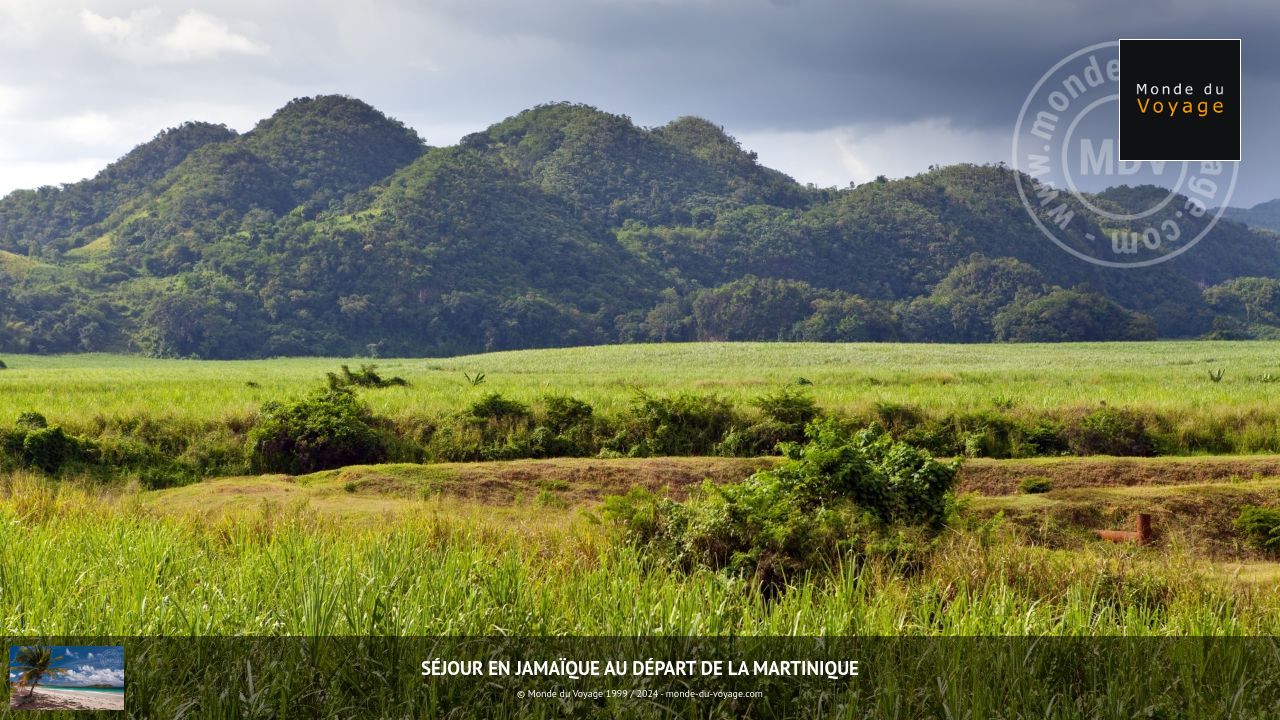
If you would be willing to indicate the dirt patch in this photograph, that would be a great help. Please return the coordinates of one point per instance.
(1001, 477)
(588, 479)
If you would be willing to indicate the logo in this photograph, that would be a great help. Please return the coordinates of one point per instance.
(1101, 209)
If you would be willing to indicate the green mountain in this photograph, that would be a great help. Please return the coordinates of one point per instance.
(31, 220)
(331, 229)
(1263, 215)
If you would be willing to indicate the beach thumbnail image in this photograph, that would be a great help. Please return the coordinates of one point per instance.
(66, 677)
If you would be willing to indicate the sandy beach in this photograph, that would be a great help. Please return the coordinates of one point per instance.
(48, 699)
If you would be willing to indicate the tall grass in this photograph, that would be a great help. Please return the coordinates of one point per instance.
(75, 562)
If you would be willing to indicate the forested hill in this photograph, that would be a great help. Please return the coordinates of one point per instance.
(331, 229)
(1263, 215)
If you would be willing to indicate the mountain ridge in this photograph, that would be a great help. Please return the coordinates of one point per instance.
(330, 228)
(1264, 215)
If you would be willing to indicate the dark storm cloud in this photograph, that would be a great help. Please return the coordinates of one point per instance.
(88, 79)
(810, 65)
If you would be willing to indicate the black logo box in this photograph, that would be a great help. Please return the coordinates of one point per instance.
(1180, 62)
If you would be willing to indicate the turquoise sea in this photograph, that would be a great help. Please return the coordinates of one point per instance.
(109, 691)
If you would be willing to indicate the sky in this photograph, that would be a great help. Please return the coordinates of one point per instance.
(82, 665)
(829, 91)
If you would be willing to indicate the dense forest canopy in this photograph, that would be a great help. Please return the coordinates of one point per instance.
(332, 229)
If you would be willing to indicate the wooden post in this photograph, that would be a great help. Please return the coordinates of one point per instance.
(1144, 528)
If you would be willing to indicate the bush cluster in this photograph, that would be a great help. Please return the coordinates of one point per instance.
(332, 427)
(498, 428)
(1260, 526)
(327, 429)
(999, 434)
(33, 443)
(366, 377)
(684, 424)
(1110, 431)
(841, 492)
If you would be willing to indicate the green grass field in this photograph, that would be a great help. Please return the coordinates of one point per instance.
(1171, 377)
(519, 548)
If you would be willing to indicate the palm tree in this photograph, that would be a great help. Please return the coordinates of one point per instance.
(32, 663)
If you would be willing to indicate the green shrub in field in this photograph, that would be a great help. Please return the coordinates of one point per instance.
(152, 467)
(327, 429)
(3, 366)
(50, 448)
(760, 438)
(47, 448)
(840, 492)
(569, 429)
(784, 416)
(985, 433)
(684, 424)
(366, 377)
(31, 420)
(789, 407)
(565, 413)
(898, 417)
(495, 407)
(1035, 484)
(495, 428)
(1261, 527)
(34, 443)
(936, 436)
(1041, 436)
(1109, 431)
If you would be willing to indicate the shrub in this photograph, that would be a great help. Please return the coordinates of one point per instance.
(760, 438)
(32, 420)
(898, 417)
(366, 377)
(984, 434)
(11, 446)
(492, 428)
(788, 406)
(166, 475)
(1035, 484)
(1260, 527)
(684, 424)
(565, 413)
(328, 429)
(1003, 402)
(936, 436)
(1043, 436)
(3, 366)
(49, 448)
(785, 415)
(1109, 431)
(837, 493)
(495, 407)
(544, 442)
